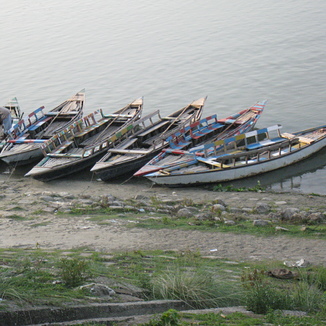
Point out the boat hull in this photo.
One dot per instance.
(23, 158)
(128, 167)
(230, 174)
(46, 174)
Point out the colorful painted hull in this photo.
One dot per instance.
(131, 155)
(85, 142)
(30, 133)
(284, 153)
(235, 124)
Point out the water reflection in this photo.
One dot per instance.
(302, 177)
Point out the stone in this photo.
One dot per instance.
(185, 212)
(219, 201)
(282, 202)
(218, 208)
(282, 273)
(260, 222)
(316, 217)
(204, 216)
(262, 208)
(235, 210)
(279, 228)
(229, 222)
(98, 290)
(140, 197)
(287, 213)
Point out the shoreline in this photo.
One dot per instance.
(39, 226)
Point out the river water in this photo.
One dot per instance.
(173, 52)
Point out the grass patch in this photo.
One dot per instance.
(240, 227)
(38, 277)
(175, 318)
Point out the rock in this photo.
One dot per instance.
(185, 212)
(262, 208)
(218, 208)
(282, 202)
(204, 216)
(140, 197)
(219, 201)
(229, 222)
(288, 213)
(316, 217)
(282, 273)
(236, 210)
(98, 290)
(260, 222)
(48, 198)
(279, 228)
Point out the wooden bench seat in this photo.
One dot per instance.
(265, 143)
(39, 123)
(128, 151)
(153, 128)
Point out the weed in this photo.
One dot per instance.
(307, 297)
(169, 318)
(74, 271)
(260, 296)
(229, 188)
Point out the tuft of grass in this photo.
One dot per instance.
(74, 271)
(260, 295)
(198, 288)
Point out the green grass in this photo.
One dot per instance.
(175, 318)
(38, 277)
(240, 227)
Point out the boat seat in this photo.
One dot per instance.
(62, 147)
(39, 123)
(265, 143)
(154, 128)
(212, 162)
(65, 155)
(128, 151)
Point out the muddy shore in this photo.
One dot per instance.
(56, 232)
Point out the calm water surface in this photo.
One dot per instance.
(172, 52)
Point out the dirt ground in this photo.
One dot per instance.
(54, 232)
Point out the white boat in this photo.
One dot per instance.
(243, 156)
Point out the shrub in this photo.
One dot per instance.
(260, 296)
(74, 271)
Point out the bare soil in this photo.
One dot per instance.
(54, 232)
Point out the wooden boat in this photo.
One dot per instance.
(16, 115)
(28, 135)
(143, 145)
(243, 156)
(15, 111)
(82, 144)
(205, 131)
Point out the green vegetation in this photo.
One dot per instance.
(227, 188)
(38, 277)
(175, 318)
(162, 215)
